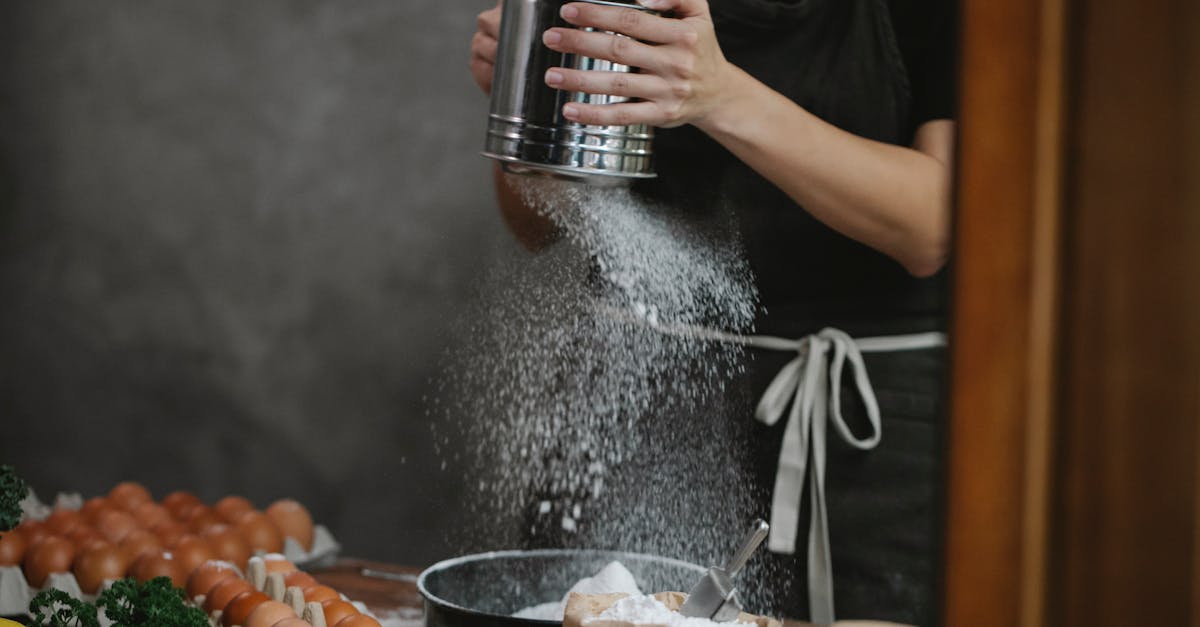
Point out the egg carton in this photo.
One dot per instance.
(16, 592)
(274, 587)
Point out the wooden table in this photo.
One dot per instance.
(386, 589)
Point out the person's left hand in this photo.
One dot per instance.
(683, 74)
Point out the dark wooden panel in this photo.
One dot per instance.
(1116, 356)
(1131, 397)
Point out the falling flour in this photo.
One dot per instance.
(578, 422)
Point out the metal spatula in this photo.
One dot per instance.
(714, 596)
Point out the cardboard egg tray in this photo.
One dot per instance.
(16, 593)
(13, 587)
(273, 586)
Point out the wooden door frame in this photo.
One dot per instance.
(1006, 279)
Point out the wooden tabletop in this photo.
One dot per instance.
(384, 588)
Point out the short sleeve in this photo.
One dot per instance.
(927, 35)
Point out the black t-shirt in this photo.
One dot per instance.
(925, 33)
(875, 68)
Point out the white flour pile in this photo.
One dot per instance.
(611, 579)
(647, 610)
(579, 425)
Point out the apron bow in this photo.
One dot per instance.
(811, 384)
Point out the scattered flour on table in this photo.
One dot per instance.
(575, 421)
(611, 579)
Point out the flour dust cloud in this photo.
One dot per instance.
(578, 422)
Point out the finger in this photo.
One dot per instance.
(482, 72)
(633, 22)
(624, 84)
(489, 22)
(622, 50)
(680, 8)
(484, 47)
(622, 114)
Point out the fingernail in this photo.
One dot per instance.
(554, 78)
(569, 11)
(570, 111)
(552, 38)
(652, 4)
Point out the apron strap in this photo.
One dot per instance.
(811, 385)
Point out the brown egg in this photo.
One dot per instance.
(81, 532)
(358, 620)
(292, 622)
(231, 508)
(208, 575)
(12, 547)
(95, 565)
(128, 495)
(114, 524)
(269, 613)
(299, 579)
(336, 610)
(149, 514)
(138, 543)
(158, 564)
(319, 594)
(201, 518)
(51, 555)
(34, 532)
(277, 563)
(62, 521)
(191, 551)
(185, 510)
(227, 545)
(169, 532)
(223, 592)
(84, 537)
(93, 543)
(259, 532)
(294, 521)
(238, 610)
(177, 502)
(92, 507)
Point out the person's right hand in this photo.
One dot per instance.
(483, 47)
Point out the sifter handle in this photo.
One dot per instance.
(758, 533)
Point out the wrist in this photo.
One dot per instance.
(729, 108)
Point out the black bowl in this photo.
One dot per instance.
(484, 590)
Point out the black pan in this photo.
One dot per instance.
(484, 590)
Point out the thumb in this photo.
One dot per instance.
(680, 8)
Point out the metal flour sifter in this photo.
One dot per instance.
(527, 132)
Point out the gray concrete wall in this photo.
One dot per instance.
(233, 238)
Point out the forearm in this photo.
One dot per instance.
(891, 198)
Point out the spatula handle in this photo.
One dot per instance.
(758, 533)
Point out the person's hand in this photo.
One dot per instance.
(683, 75)
(483, 47)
